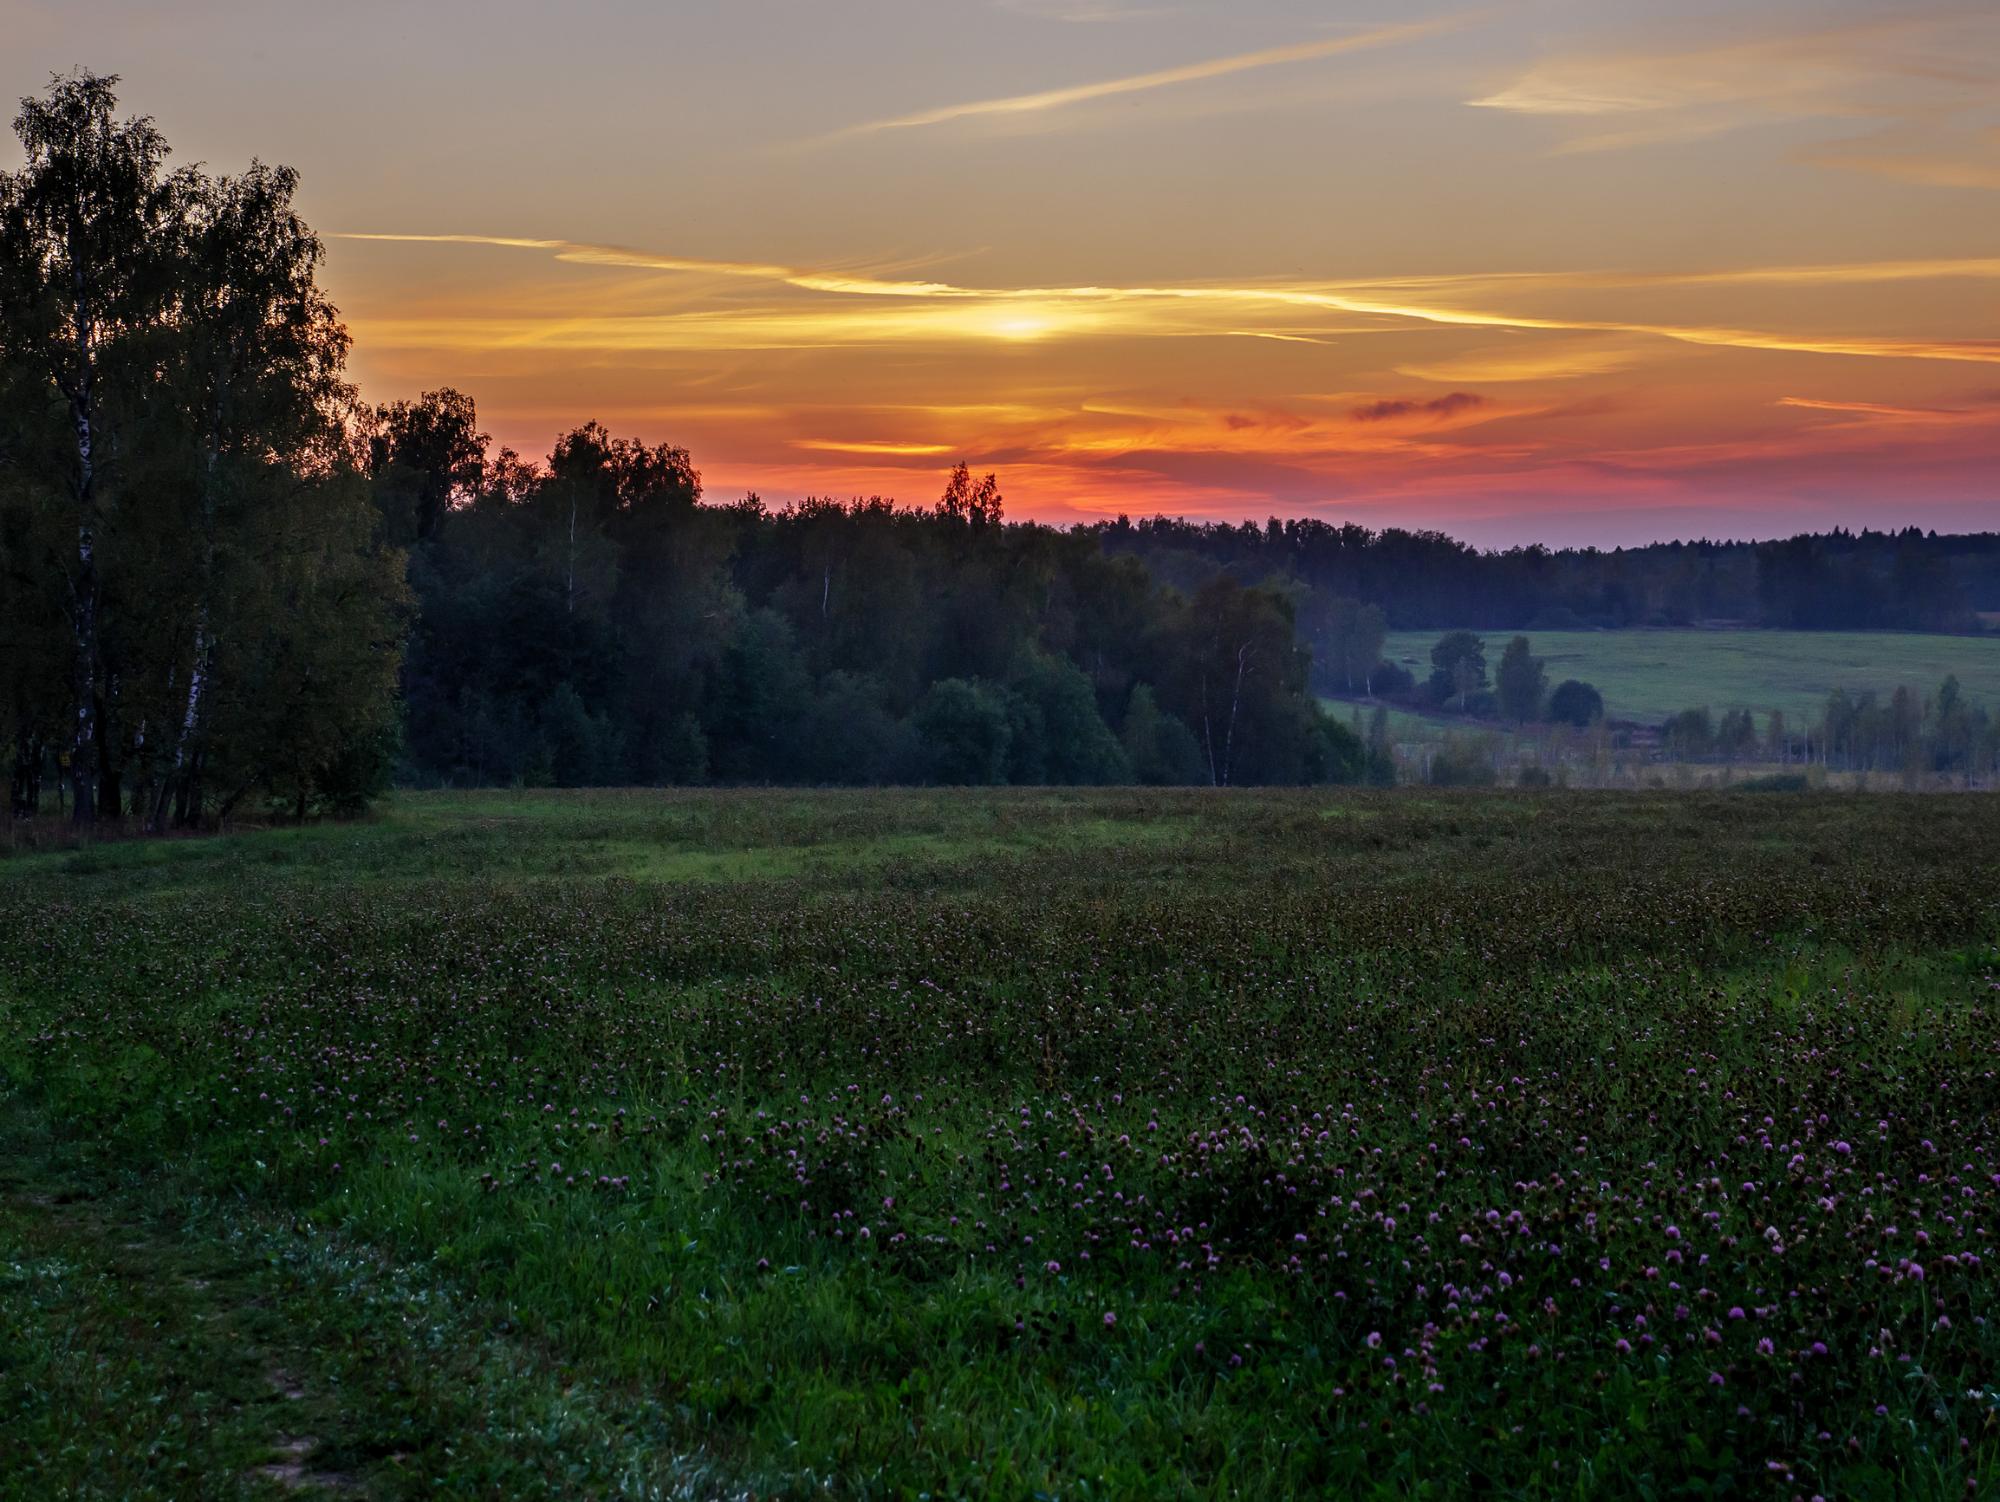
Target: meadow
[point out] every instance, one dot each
(1647, 675)
(1009, 1144)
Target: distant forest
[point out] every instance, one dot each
(229, 581)
(1907, 580)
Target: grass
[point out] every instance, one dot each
(1409, 727)
(1648, 675)
(157, 1341)
(642, 835)
(1008, 1144)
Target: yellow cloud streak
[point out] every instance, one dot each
(1281, 338)
(955, 321)
(1882, 412)
(1975, 351)
(1220, 67)
(867, 446)
(1487, 366)
(1977, 267)
(1029, 313)
(581, 254)
(1102, 431)
(861, 285)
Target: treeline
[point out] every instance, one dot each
(1905, 732)
(591, 621)
(1907, 580)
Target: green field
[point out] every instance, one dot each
(1648, 675)
(1413, 727)
(1009, 1144)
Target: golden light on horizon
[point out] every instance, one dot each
(1601, 277)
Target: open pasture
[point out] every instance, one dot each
(1009, 1144)
(1648, 675)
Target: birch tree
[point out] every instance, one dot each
(260, 354)
(82, 279)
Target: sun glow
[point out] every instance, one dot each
(1578, 269)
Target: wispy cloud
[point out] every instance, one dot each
(861, 282)
(1885, 412)
(1390, 408)
(1139, 83)
(1977, 351)
(1935, 159)
(1827, 70)
(943, 312)
(878, 447)
(1281, 338)
(617, 256)
(1560, 360)
(1839, 274)
(1921, 67)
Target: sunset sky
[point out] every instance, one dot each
(1560, 270)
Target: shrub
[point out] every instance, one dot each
(1161, 749)
(1776, 782)
(1464, 761)
(1689, 734)
(1575, 702)
(1390, 679)
(965, 729)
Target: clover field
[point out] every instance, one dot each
(1010, 1144)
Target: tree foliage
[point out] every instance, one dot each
(1458, 667)
(1520, 682)
(199, 605)
(597, 599)
(1574, 702)
(1908, 579)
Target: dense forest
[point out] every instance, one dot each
(591, 621)
(1906, 580)
(229, 580)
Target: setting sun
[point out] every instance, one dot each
(1681, 257)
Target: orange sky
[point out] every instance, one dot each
(1568, 270)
